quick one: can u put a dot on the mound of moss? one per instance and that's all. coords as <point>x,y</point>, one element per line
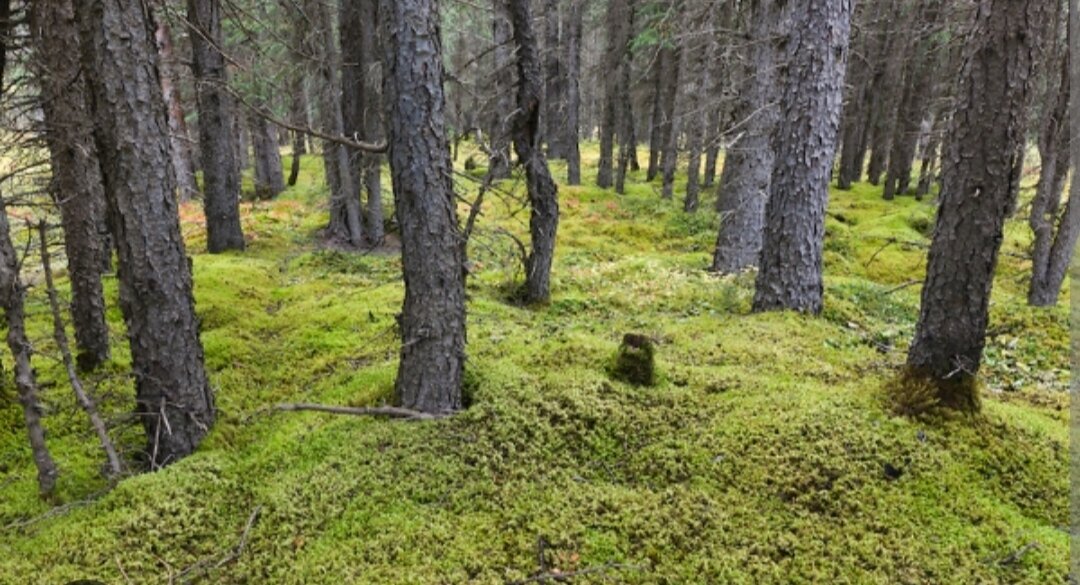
<point>767,452</point>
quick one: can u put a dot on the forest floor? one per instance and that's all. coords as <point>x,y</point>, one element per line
<point>760,456</point>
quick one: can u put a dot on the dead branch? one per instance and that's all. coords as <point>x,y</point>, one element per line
<point>60,336</point>
<point>900,287</point>
<point>387,411</point>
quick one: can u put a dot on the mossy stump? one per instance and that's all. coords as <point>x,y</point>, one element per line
<point>636,361</point>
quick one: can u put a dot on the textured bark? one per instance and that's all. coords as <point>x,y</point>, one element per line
<point>619,14</point>
<point>433,317</point>
<point>881,121</point>
<point>173,396</point>
<point>183,161</point>
<point>979,170</point>
<point>748,164</point>
<point>696,72</point>
<point>1055,233</point>
<point>624,112</point>
<point>804,147</point>
<point>346,223</point>
<point>298,104</point>
<point>269,177</point>
<point>918,93</point>
<point>76,184</point>
<point>503,81</point>
<point>374,127</point>
<point>12,301</point>
<point>543,194</point>
<point>221,171</point>
<point>574,23</point>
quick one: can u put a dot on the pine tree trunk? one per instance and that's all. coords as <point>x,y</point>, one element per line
<point>433,317</point>
<point>173,395</point>
<point>804,147</point>
<point>553,115</point>
<point>543,194</point>
<point>574,25</point>
<point>979,170</point>
<point>503,77</point>
<point>670,57</point>
<point>619,15</point>
<point>76,185</point>
<point>220,166</point>
<point>183,161</point>
<point>748,164</point>
<point>374,127</point>
<point>269,177</point>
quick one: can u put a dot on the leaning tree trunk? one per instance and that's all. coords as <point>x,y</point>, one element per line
<point>804,146</point>
<point>76,185</point>
<point>748,164</point>
<point>173,395</point>
<point>979,170</point>
<point>433,318</point>
<point>1052,248</point>
<point>221,171</point>
<point>543,195</point>
<point>571,140</point>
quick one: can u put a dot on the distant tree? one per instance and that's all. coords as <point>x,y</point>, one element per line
<point>615,93</point>
<point>76,184</point>
<point>979,173</point>
<point>433,317</point>
<point>221,171</point>
<point>173,396</point>
<point>574,24</point>
<point>503,78</point>
<point>804,145</point>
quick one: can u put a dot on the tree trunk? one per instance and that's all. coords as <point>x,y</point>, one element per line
<point>221,171</point>
<point>619,15</point>
<point>269,178</point>
<point>979,170</point>
<point>928,166</point>
<point>76,185</point>
<point>656,133</point>
<point>670,57</point>
<point>298,104</point>
<point>433,317</point>
<point>346,224</point>
<point>543,195</point>
<point>624,125</point>
<point>748,164</point>
<point>553,116</point>
<point>503,82</point>
<point>574,25</point>
<point>183,161</point>
<point>173,396</point>
<point>918,92</point>
<point>804,147</point>
<point>1052,248</point>
<point>374,127</point>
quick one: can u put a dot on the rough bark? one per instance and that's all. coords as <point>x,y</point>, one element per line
<point>554,102</point>
<point>374,127</point>
<point>76,184</point>
<point>432,321</point>
<point>804,145</point>
<point>1055,233</point>
<point>221,171</point>
<point>180,140</point>
<point>543,194</point>
<point>173,397</point>
<point>748,164</point>
<point>624,112</point>
<point>298,104</point>
<point>979,170</point>
<point>571,140</point>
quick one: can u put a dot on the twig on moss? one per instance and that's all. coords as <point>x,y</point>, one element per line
<point>560,576</point>
<point>387,411</point>
<point>204,566</point>
<point>900,287</point>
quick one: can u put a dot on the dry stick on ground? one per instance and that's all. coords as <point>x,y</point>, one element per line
<point>387,411</point>
<point>60,336</point>
<point>204,566</point>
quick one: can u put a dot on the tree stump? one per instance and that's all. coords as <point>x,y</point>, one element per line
<point>636,361</point>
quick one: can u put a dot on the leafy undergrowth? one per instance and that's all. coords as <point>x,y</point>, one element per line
<point>767,452</point>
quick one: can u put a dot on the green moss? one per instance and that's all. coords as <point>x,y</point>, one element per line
<point>757,457</point>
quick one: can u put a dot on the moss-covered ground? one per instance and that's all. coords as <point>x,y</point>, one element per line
<point>766,453</point>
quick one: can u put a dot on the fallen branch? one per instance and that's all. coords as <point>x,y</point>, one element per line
<point>205,566</point>
<point>387,411</point>
<point>902,286</point>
